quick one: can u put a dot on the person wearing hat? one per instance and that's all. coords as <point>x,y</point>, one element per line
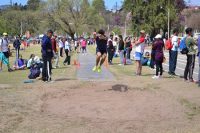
<point>4,48</point>
<point>158,46</point>
<point>139,50</point>
<point>47,55</point>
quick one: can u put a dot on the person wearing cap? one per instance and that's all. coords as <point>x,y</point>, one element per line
<point>139,50</point>
<point>4,48</point>
<point>47,55</point>
<point>158,46</point>
<point>173,53</point>
<point>55,50</point>
<point>101,49</point>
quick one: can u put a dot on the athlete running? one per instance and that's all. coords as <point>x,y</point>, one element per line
<point>101,49</point>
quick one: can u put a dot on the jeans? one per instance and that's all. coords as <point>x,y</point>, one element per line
<point>61,52</point>
<point>46,69</point>
<point>159,68</point>
<point>128,53</point>
<point>121,55</point>
<point>172,60</point>
<point>189,67</point>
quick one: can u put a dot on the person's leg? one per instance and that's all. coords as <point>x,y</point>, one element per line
<point>186,69</point>
<point>161,69</point>
<point>175,60</point>
<point>157,68</point>
<point>121,54</point>
<point>57,60</point>
<point>191,67</point>
<point>137,67</point>
<point>170,62</point>
<point>199,71</point>
<point>44,69</point>
<point>1,64</point>
<point>98,58</point>
<point>66,58</point>
<point>103,58</point>
<point>109,55</point>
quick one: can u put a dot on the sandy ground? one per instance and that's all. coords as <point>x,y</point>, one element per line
<point>128,105</point>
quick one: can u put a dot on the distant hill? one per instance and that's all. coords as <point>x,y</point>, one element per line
<point>3,7</point>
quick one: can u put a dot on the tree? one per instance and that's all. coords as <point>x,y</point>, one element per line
<point>73,16</point>
<point>151,15</point>
<point>33,4</point>
<point>99,5</point>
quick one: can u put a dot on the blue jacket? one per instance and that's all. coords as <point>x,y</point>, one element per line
<point>47,50</point>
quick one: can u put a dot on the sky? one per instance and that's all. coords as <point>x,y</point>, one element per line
<point>110,4</point>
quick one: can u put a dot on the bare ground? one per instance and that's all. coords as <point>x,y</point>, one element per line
<point>128,105</point>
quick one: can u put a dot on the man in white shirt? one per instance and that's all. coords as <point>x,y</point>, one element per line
<point>4,49</point>
<point>173,53</point>
<point>61,45</point>
<point>67,52</point>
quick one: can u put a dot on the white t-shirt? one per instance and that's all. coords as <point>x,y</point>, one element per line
<point>67,45</point>
<point>140,48</point>
<point>4,45</point>
<point>175,43</point>
<point>60,44</point>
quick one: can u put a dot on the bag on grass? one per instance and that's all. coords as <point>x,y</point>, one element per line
<point>34,72</point>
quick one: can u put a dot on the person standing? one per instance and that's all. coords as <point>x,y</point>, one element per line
<point>121,50</point>
<point>16,45</point>
<point>159,55</point>
<point>139,50</point>
<point>173,53</point>
<point>61,45</point>
<point>101,49</point>
<point>110,49</point>
<point>47,55</point>
<point>199,59</point>
<point>4,48</point>
<point>67,52</point>
<point>190,44</point>
<point>55,51</point>
<point>83,45</point>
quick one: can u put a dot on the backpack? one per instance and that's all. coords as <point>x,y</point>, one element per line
<point>35,72</point>
<point>183,47</point>
<point>168,44</point>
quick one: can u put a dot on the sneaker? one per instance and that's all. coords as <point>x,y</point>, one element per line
<point>120,64</point>
<point>155,77</point>
<point>94,69</point>
<point>99,70</point>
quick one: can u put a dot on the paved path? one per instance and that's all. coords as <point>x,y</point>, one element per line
<point>87,62</point>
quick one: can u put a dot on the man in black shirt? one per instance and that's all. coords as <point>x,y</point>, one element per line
<point>101,50</point>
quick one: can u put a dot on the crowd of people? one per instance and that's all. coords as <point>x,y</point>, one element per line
<point>54,47</point>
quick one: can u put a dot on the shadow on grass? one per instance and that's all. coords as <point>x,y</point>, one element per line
<point>64,79</point>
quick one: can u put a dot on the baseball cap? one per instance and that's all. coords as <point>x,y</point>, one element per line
<point>142,31</point>
<point>158,36</point>
<point>5,34</point>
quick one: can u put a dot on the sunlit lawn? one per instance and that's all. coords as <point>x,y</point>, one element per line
<point>18,77</point>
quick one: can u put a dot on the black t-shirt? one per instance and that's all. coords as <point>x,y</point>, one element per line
<point>101,44</point>
<point>121,45</point>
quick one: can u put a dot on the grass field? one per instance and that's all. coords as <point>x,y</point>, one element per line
<point>17,77</point>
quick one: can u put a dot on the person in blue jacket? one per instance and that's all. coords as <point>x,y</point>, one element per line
<point>47,55</point>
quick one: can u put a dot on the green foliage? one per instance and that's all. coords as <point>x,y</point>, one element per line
<point>151,15</point>
<point>117,31</point>
<point>99,5</point>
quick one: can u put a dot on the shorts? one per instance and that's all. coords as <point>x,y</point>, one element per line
<point>101,51</point>
<point>138,56</point>
<point>6,54</point>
